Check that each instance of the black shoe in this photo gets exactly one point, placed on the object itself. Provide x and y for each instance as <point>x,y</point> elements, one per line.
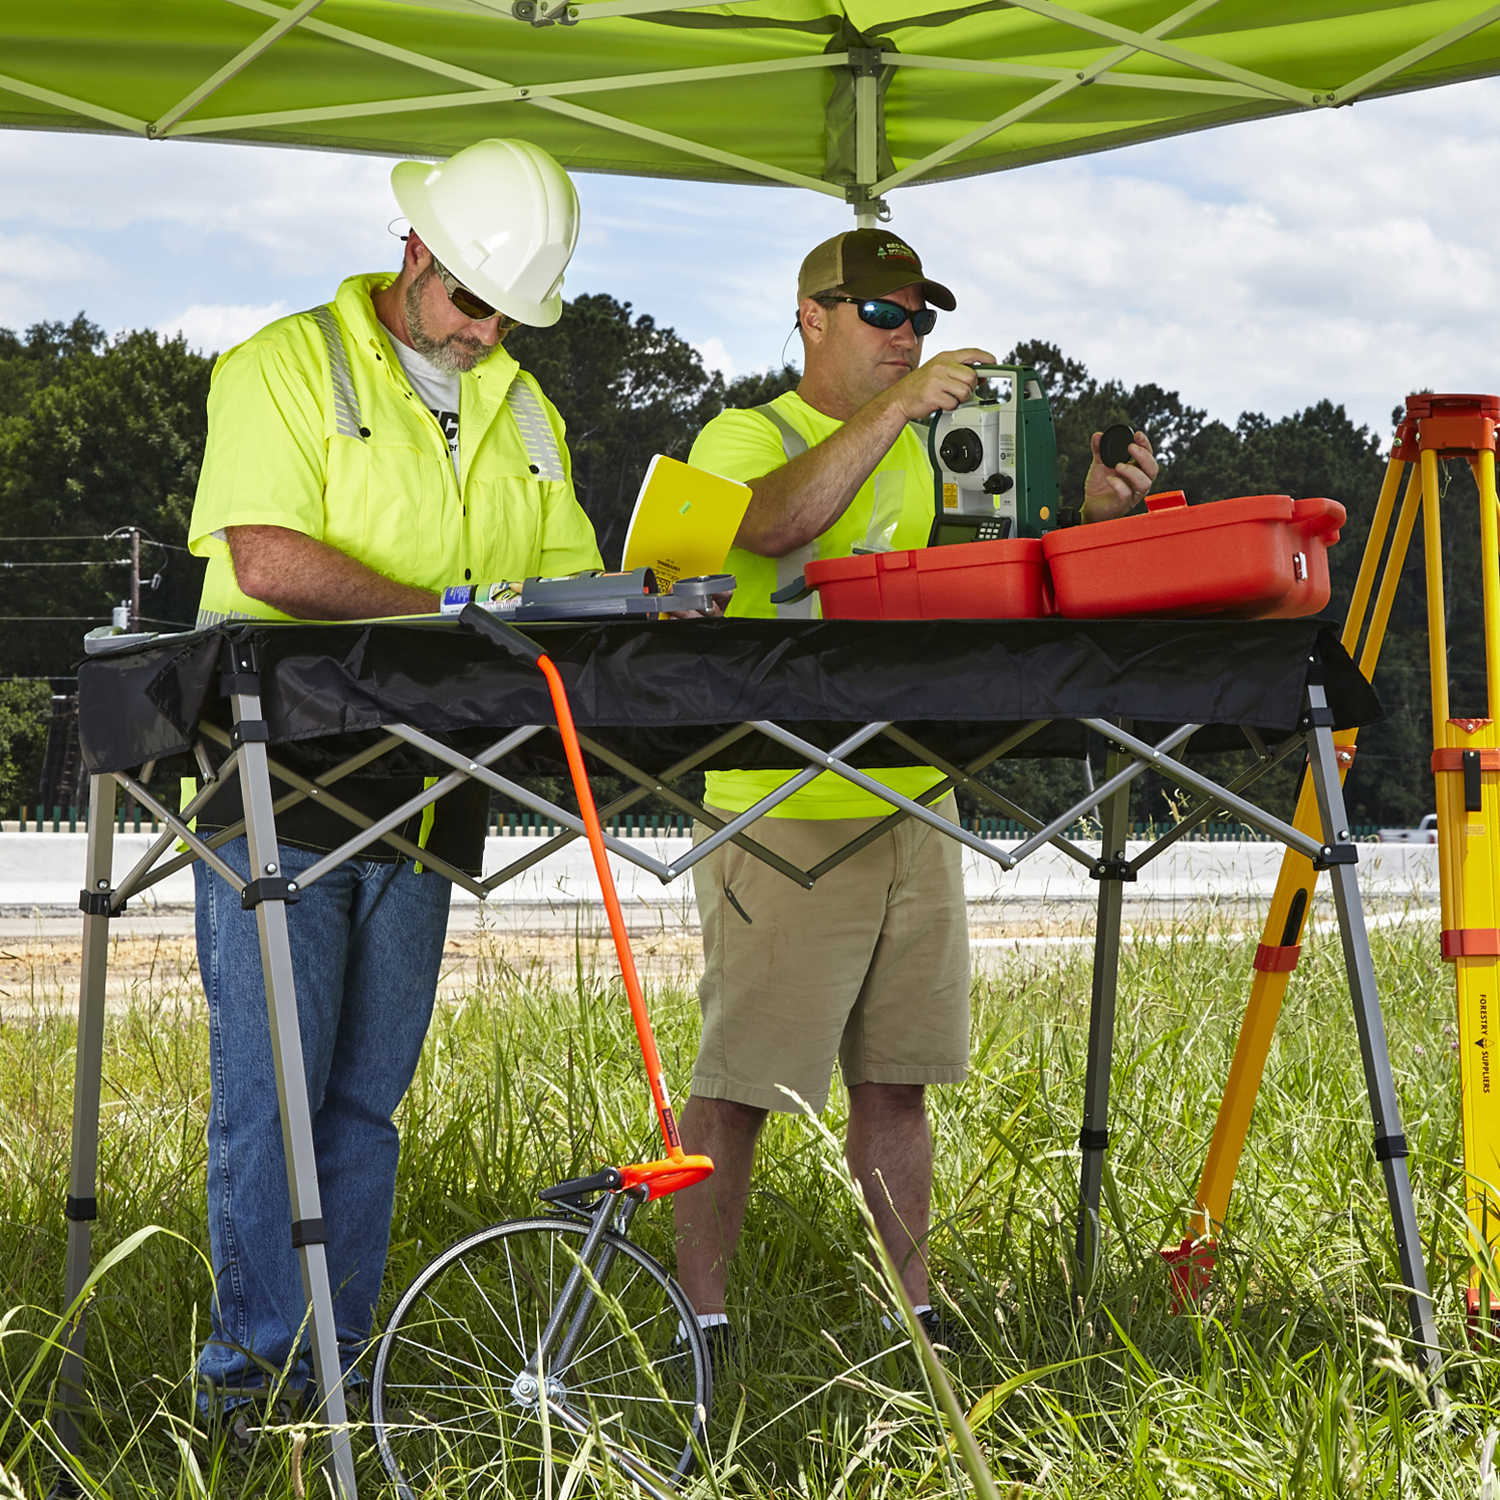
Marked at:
<point>723,1354</point>
<point>723,1350</point>
<point>239,1429</point>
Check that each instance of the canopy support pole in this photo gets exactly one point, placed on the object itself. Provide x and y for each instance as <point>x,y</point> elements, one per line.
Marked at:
<point>866,123</point>
<point>857,150</point>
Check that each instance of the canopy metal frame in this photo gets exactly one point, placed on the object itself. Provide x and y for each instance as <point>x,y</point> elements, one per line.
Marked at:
<point>253,769</point>
<point>1187,58</point>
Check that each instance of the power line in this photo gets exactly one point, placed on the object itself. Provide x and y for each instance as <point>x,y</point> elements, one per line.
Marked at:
<point>91,537</point>
<point>103,537</point>
<point>100,562</point>
<point>52,619</point>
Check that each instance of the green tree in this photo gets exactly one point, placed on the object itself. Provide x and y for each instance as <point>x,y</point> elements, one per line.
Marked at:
<point>1081,406</point>
<point>110,436</point>
<point>25,708</point>
<point>760,386</point>
<point>28,363</point>
<point>628,389</point>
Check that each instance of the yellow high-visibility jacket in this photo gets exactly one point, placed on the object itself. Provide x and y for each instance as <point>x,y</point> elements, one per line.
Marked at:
<point>312,425</point>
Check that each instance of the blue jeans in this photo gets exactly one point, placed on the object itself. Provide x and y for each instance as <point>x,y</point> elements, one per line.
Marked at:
<point>366,942</point>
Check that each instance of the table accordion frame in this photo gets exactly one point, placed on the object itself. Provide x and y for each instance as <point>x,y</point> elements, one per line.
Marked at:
<point>286,711</point>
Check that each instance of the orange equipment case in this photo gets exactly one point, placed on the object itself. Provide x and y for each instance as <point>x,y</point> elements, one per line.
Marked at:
<point>1004,580</point>
<point>1258,556</point>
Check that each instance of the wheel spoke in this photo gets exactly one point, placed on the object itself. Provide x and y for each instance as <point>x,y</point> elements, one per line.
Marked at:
<point>458,1391</point>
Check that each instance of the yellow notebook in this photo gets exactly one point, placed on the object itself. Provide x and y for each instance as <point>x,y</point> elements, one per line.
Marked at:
<point>684,521</point>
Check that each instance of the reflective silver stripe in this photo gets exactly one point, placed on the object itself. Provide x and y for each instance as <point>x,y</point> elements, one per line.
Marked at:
<point>789,568</point>
<point>536,431</point>
<point>792,441</point>
<point>345,402</point>
<point>210,617</point>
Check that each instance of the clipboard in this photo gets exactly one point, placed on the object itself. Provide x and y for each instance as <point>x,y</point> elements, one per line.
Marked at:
<point>684,522</point>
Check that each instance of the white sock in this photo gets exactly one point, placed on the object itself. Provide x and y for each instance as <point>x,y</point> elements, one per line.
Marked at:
<point>705,1320</point>
<point>887,1323</point>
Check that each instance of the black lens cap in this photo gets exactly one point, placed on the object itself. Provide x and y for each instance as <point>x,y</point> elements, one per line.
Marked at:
<point>1114,445</point>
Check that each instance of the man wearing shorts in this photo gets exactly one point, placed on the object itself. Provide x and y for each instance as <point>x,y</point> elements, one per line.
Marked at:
<point>872,965</point>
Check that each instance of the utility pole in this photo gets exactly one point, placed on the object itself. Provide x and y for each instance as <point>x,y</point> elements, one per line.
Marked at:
<point>135,578</point>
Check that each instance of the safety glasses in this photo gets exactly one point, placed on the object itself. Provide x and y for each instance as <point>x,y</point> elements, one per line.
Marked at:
<point>462,298</point>
<point>889,316</point>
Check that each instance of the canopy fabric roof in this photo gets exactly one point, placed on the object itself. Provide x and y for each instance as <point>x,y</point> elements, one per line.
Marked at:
<point>851,100</point>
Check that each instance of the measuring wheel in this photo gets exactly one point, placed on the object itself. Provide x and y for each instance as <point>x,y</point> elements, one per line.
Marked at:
<point>513,1367</point>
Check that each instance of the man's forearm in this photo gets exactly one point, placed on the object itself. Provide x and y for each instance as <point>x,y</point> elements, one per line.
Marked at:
<point>805,496</point>
<point>310,580</point>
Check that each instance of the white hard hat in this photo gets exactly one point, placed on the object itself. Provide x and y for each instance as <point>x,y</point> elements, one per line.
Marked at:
<point>502,216</point>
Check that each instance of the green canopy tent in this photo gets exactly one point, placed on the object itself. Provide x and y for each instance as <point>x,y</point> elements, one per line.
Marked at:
<point>850,101</point>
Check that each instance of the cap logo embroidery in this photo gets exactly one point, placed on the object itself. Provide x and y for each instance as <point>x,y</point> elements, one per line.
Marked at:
<point>895,250</point>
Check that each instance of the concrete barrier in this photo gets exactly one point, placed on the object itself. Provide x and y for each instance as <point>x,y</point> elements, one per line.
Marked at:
<point>42,873</point>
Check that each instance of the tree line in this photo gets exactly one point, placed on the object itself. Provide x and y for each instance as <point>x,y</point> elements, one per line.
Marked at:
<point>101,433</point>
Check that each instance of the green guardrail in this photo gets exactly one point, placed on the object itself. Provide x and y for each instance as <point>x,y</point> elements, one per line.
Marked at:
<point>133,818</point>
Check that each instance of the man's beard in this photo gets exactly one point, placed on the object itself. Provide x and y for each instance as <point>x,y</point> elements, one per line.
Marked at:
<point>456,353</point>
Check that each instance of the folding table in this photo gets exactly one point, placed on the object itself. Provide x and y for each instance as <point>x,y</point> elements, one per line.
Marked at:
<point>286,711</point>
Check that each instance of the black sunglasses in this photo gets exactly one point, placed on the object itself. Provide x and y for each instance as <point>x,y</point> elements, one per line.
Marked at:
<point>879,313</point>
<point>462,298</point>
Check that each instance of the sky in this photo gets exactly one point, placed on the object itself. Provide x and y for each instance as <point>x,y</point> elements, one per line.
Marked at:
<point>1344,254</point>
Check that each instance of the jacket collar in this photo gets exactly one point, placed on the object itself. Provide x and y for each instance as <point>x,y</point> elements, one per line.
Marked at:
<point>486,384</point>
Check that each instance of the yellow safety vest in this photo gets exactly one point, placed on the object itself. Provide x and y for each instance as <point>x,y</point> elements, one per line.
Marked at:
<point>313,426</point>
<point>892,511</point>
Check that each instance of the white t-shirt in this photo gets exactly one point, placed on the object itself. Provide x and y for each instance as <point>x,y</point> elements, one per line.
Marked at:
<point>437,389</point>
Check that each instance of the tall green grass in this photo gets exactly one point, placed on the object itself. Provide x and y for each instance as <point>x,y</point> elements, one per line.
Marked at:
<point>1293,1377</point>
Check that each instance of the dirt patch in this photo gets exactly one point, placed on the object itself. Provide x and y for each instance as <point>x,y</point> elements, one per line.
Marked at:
<point>40,969</point>
<point>43,973</point>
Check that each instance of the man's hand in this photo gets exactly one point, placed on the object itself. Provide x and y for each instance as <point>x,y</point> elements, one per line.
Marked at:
<point>946,381</point>
<point>1107,492</point>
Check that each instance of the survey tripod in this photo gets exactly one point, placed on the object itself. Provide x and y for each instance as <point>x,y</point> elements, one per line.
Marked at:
<point>1466,771</point>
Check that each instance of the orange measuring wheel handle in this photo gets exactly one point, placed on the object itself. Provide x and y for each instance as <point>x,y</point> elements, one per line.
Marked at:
<point>669,1175</point>
<point>676,1170</point>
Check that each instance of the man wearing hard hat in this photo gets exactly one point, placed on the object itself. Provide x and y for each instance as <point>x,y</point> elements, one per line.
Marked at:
<point>869,968</point>
<point>360,458</point>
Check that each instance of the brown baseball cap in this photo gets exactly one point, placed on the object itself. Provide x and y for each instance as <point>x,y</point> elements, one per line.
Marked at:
<point>868,263</point>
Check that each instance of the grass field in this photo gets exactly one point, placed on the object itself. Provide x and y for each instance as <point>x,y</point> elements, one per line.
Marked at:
<point>1292,1378</point>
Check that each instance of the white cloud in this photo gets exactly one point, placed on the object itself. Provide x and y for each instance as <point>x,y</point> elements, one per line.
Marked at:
<point>1343,254</point>
<point>1255,268</point>
<point>216,328</point>
<point>290,206</point>
<point>43,276</point>
<point>46,259</point>
<point>716,357</point>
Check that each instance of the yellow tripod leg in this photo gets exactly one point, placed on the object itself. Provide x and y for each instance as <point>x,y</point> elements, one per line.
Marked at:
<point>1467,771</point>
<point>1191,1262</point>
<point>1466,768</point>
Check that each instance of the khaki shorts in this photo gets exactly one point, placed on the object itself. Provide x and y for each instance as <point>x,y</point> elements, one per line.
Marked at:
<point>871,966</point>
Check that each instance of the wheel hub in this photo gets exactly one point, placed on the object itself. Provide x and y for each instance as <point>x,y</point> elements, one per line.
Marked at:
<point>526,1390</point>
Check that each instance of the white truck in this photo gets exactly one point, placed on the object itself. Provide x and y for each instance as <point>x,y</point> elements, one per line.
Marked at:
<point>1424,833</point>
